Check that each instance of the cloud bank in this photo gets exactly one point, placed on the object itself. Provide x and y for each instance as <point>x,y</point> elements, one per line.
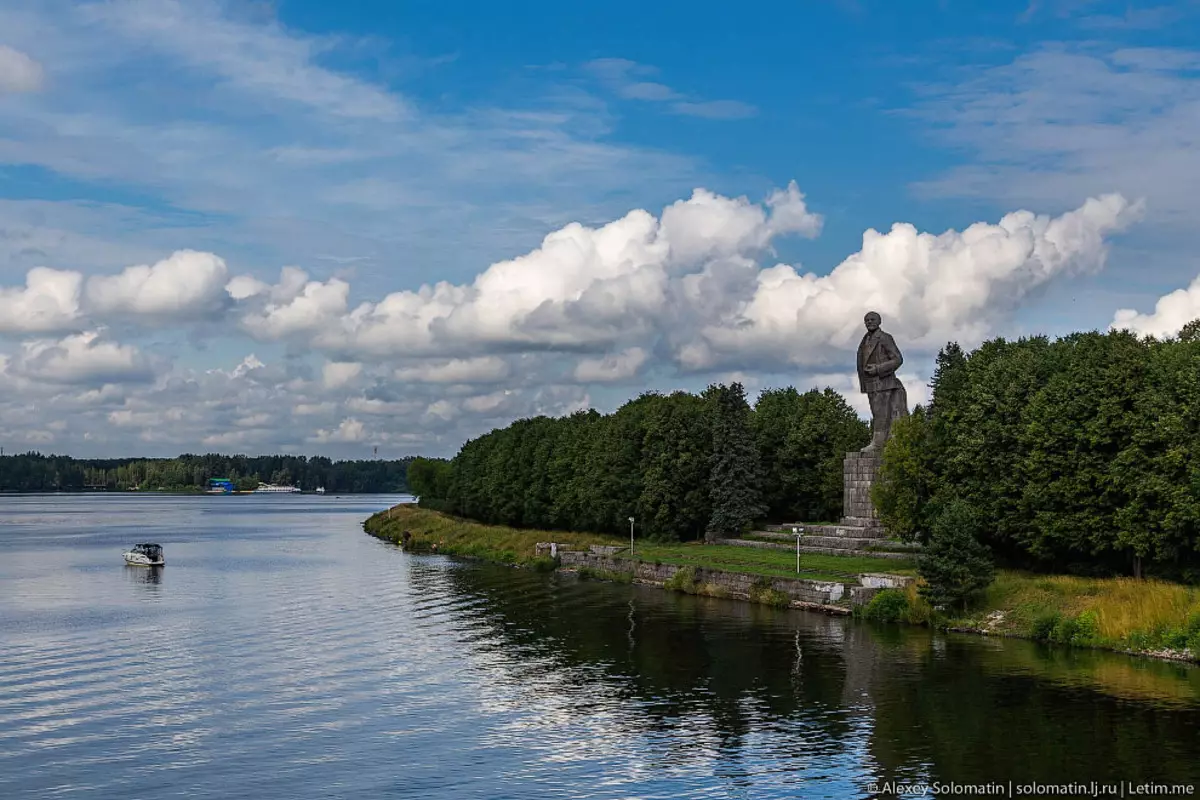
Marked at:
<point>661,300</point>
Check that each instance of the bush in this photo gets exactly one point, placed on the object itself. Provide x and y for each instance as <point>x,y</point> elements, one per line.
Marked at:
<point>763,592</point>
<point>1175,639</point>
<point>1044,625</point>
<point>955,566</point>
<point>890,605</point>
<point>1065,630</point>
<point>684,580</point>
<point>1141,640</point>
<point>1087,629</point>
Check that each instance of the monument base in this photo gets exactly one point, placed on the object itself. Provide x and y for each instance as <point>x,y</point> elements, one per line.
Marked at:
<point>859,472</point>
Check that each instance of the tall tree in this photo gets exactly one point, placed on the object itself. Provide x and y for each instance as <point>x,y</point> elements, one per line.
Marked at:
<point>735,474</point>
<point>954,565</point>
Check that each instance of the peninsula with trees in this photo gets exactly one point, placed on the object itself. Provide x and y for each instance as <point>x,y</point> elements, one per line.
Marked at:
<point>1051,486</point>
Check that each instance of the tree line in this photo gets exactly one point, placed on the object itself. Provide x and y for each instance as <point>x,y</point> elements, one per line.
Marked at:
<point>684,465</point>
<point>34,472</point>
<point>1081,453</point>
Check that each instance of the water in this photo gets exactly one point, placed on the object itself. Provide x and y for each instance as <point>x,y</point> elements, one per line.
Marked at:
<point>282,653</point>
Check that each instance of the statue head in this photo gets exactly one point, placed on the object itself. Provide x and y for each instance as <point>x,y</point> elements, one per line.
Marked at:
<point>872,320</point>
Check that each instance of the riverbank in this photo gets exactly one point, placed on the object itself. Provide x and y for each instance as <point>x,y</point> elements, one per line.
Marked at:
<point>1143,617</point>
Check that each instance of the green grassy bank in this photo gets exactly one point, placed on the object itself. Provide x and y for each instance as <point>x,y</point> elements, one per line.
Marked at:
<point>435,532</point>
<point>1137,616</point>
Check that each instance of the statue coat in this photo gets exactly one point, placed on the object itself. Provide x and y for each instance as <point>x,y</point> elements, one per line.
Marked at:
<point>879,349</point>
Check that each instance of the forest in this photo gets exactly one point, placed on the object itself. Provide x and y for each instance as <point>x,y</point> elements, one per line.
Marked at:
<point>34,472</point>
<point>683,465</point>
<point>1079,454</point>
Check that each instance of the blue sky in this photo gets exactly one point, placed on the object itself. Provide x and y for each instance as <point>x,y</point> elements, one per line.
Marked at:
<point>161,163</point>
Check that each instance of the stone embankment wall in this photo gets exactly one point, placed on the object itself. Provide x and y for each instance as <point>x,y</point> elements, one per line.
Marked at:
<point>823,595</point>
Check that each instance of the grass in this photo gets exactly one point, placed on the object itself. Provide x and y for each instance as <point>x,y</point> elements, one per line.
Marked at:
<point>770,562</point>
<point>1146,616</point>
<point>435,532</point>
<point>1116,613</point>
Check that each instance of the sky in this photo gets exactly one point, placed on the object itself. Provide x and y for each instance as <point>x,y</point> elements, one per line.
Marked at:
<point>346,228</point>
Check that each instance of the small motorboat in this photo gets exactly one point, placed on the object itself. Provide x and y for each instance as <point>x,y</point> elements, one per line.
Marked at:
<point>145,555</point>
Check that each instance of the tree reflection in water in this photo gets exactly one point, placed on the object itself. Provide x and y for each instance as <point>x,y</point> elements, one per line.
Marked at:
<point>918,705</point>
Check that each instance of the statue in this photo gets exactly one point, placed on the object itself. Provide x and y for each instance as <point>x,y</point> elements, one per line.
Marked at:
<point>878,360</point>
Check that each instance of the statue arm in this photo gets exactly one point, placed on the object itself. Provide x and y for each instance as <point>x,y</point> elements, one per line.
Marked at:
<point>893,358</point>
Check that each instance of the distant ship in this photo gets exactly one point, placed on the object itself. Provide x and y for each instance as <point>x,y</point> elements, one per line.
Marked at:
<point>270,488</point>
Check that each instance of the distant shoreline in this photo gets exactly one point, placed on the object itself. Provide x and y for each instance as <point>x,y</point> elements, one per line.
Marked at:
<point>191,493</point>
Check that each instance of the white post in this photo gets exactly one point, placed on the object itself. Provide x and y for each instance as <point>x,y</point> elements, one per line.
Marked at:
<point>631,536</point>
<point>796,531</point>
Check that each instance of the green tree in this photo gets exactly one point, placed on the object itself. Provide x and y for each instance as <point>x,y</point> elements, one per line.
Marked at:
<point>735,475</point>
<point>1077,433</point>
<point>802,440</point>
<point>674,502</point>
<point>903,493</point>
<point>955,566</point>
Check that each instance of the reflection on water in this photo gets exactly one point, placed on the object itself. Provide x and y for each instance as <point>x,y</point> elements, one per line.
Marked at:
<point>149,575</point>
<point>289,655</point>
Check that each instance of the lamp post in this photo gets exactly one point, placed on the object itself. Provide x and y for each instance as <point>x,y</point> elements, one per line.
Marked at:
<point>631,536</point>
<point>798,533</point>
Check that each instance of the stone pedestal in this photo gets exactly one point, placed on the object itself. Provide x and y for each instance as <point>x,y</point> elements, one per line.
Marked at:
<point>859,473</point>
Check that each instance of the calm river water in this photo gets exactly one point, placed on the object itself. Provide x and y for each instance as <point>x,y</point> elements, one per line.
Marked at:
<point>282,653</point>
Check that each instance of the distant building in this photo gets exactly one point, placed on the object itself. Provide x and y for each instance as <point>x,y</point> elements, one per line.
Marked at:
<point>220,486</point>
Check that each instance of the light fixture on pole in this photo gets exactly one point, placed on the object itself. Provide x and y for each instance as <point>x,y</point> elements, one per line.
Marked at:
<point>631,536</point>
<point>798,533</point>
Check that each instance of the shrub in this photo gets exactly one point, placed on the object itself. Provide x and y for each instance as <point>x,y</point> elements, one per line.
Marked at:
<point>1087,629</point>
<point>1065,630</point>
<point>1044,625</point>
<point>1175,639</point>
<point>1141,640</point>
<point>955,566</point>
<point>684,580</point>
<point>763,592</point>
<point>890,605</point>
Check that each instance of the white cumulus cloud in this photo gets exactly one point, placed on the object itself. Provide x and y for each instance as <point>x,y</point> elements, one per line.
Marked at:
<point>929,288</point>
<point>186,284</point>
<point>584,287</point>
<point>84,358</point>
<point>294,306</point>
<point>48,302</point>
<point>1171,313</point>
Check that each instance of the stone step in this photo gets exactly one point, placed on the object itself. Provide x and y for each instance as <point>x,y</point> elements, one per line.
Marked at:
<point>837,542</point>
<point>832,531</point>
<point>827,551</point>
<point>860,522</point>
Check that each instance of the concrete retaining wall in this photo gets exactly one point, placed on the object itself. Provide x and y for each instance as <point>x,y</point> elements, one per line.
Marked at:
<point>803,593</point>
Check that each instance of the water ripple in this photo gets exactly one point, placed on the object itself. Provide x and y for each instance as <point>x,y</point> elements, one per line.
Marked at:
<point>283,654</point>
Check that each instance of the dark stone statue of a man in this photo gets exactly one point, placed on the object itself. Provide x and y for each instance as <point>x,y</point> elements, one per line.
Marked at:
<point>878,360</point>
